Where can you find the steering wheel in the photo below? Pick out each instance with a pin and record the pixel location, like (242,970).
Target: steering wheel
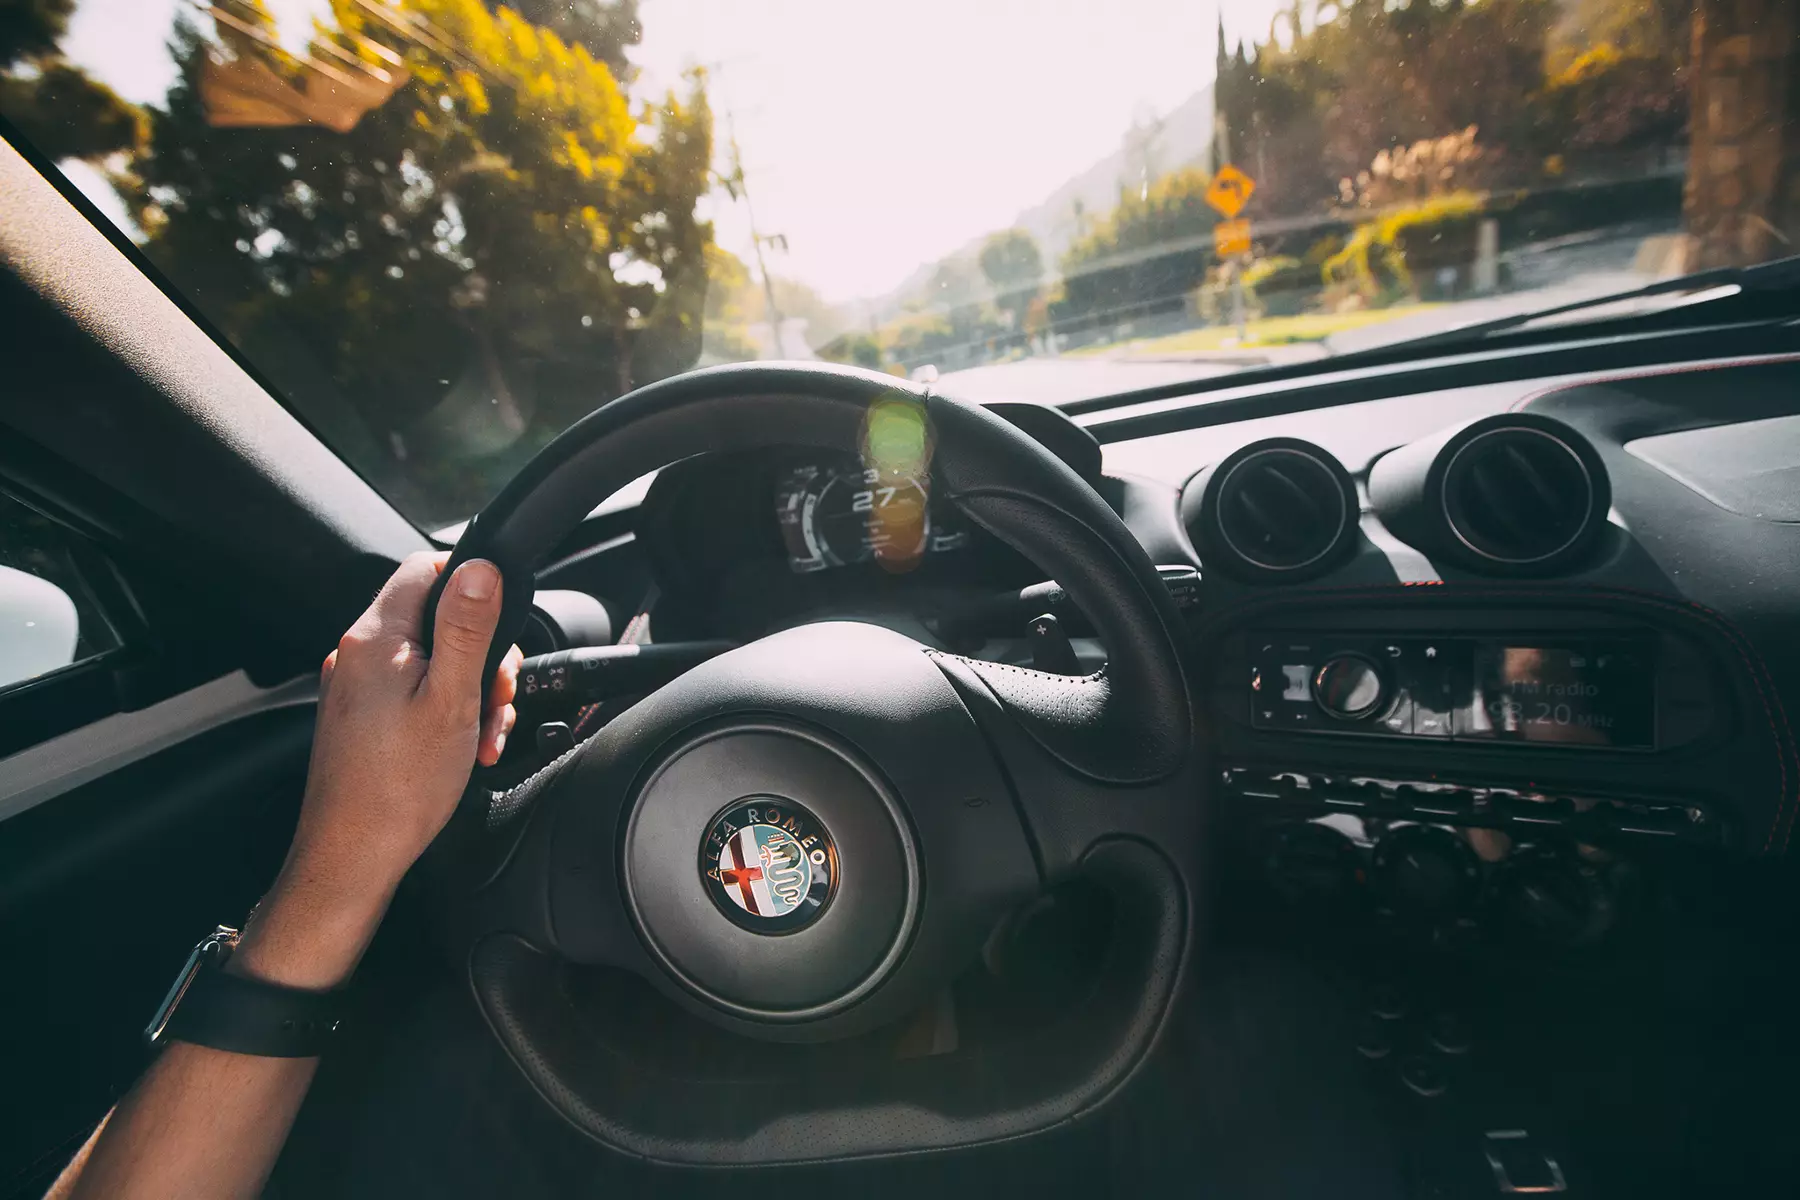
(811,836)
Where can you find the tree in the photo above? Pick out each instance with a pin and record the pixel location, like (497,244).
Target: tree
(1152,249)
(61,112)
(496,250)
(954,284)
(1591,86)
(1741,200)
(1439,111)
(735,301)
(30,28)
(1633,28)
(857,348)
(726,335)
(1386,75)
(1014,268)
(603,29)
(1607,100)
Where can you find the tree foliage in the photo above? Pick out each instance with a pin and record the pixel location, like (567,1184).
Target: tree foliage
(61,112)
(604,29)
(1155,244)
(955,283)
(1011,260)
(507,242)
(31,28)
(1014,268)
(1379,76)
(736,300)
(1535,78)
(1391,105)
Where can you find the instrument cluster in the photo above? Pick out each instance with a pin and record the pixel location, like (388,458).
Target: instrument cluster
(837,512)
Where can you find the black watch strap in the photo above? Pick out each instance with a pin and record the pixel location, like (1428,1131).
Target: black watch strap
(209,1006)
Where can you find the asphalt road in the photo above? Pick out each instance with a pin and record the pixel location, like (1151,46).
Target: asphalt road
(1553,273)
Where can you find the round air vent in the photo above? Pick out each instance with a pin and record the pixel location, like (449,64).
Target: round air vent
(1515,493)
(1517,496)
(1276,509)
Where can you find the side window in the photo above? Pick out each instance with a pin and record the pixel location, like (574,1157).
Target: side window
(48,616)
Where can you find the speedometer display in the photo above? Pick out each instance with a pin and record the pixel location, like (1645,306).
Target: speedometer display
(839,513)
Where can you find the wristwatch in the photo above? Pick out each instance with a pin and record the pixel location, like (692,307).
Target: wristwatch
(208,1007)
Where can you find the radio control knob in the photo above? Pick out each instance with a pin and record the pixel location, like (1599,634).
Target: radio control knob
(1349,687)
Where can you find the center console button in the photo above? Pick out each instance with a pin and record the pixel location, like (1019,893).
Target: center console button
(1349,687)
(1430,721)
(1399,718)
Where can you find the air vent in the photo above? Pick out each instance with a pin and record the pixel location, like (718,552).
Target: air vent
(1276,509)
(1518,496)
(1510,494)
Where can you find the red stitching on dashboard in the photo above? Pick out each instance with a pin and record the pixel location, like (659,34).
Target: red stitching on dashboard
(1724,364)
(1774,712)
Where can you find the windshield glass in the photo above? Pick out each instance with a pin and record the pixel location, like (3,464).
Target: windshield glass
(442,230)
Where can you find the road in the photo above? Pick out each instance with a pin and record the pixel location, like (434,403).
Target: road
(1549,274)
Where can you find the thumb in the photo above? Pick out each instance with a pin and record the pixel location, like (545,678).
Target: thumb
(468,611)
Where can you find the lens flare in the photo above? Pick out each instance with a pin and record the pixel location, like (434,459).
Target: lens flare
(896,455)
(897,438)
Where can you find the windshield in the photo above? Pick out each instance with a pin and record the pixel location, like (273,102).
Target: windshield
(442,230)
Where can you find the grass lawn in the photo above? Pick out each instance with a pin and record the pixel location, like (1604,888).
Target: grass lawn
(1269,331)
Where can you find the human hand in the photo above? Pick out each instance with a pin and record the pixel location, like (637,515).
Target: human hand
(398,734)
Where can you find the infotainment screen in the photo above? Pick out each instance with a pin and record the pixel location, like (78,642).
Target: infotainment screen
(1588,694)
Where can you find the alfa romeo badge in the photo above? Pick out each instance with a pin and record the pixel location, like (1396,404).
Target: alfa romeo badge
(769,865)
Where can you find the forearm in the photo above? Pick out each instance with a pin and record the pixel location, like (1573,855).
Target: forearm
(207,1123)
(200,1122)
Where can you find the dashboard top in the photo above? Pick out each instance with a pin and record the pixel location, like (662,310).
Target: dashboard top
(1359,432)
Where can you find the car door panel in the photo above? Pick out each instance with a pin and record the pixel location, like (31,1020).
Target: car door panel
(103,892)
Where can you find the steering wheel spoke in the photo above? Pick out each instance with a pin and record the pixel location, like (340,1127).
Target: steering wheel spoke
(507,850)
(1037,725)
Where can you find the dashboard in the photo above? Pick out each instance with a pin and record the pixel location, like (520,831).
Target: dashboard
(1558,605)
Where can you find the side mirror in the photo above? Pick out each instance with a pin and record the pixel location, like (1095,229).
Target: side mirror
(38,627)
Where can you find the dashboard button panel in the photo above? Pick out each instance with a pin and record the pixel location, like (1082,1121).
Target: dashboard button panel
(1522,812)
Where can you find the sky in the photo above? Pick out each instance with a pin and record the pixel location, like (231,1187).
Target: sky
(876,135)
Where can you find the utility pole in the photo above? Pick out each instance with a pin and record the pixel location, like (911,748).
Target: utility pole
(735,184)
(1140,151)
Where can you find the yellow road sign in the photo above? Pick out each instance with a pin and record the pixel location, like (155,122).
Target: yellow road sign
(1230,190)
(1231,237)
